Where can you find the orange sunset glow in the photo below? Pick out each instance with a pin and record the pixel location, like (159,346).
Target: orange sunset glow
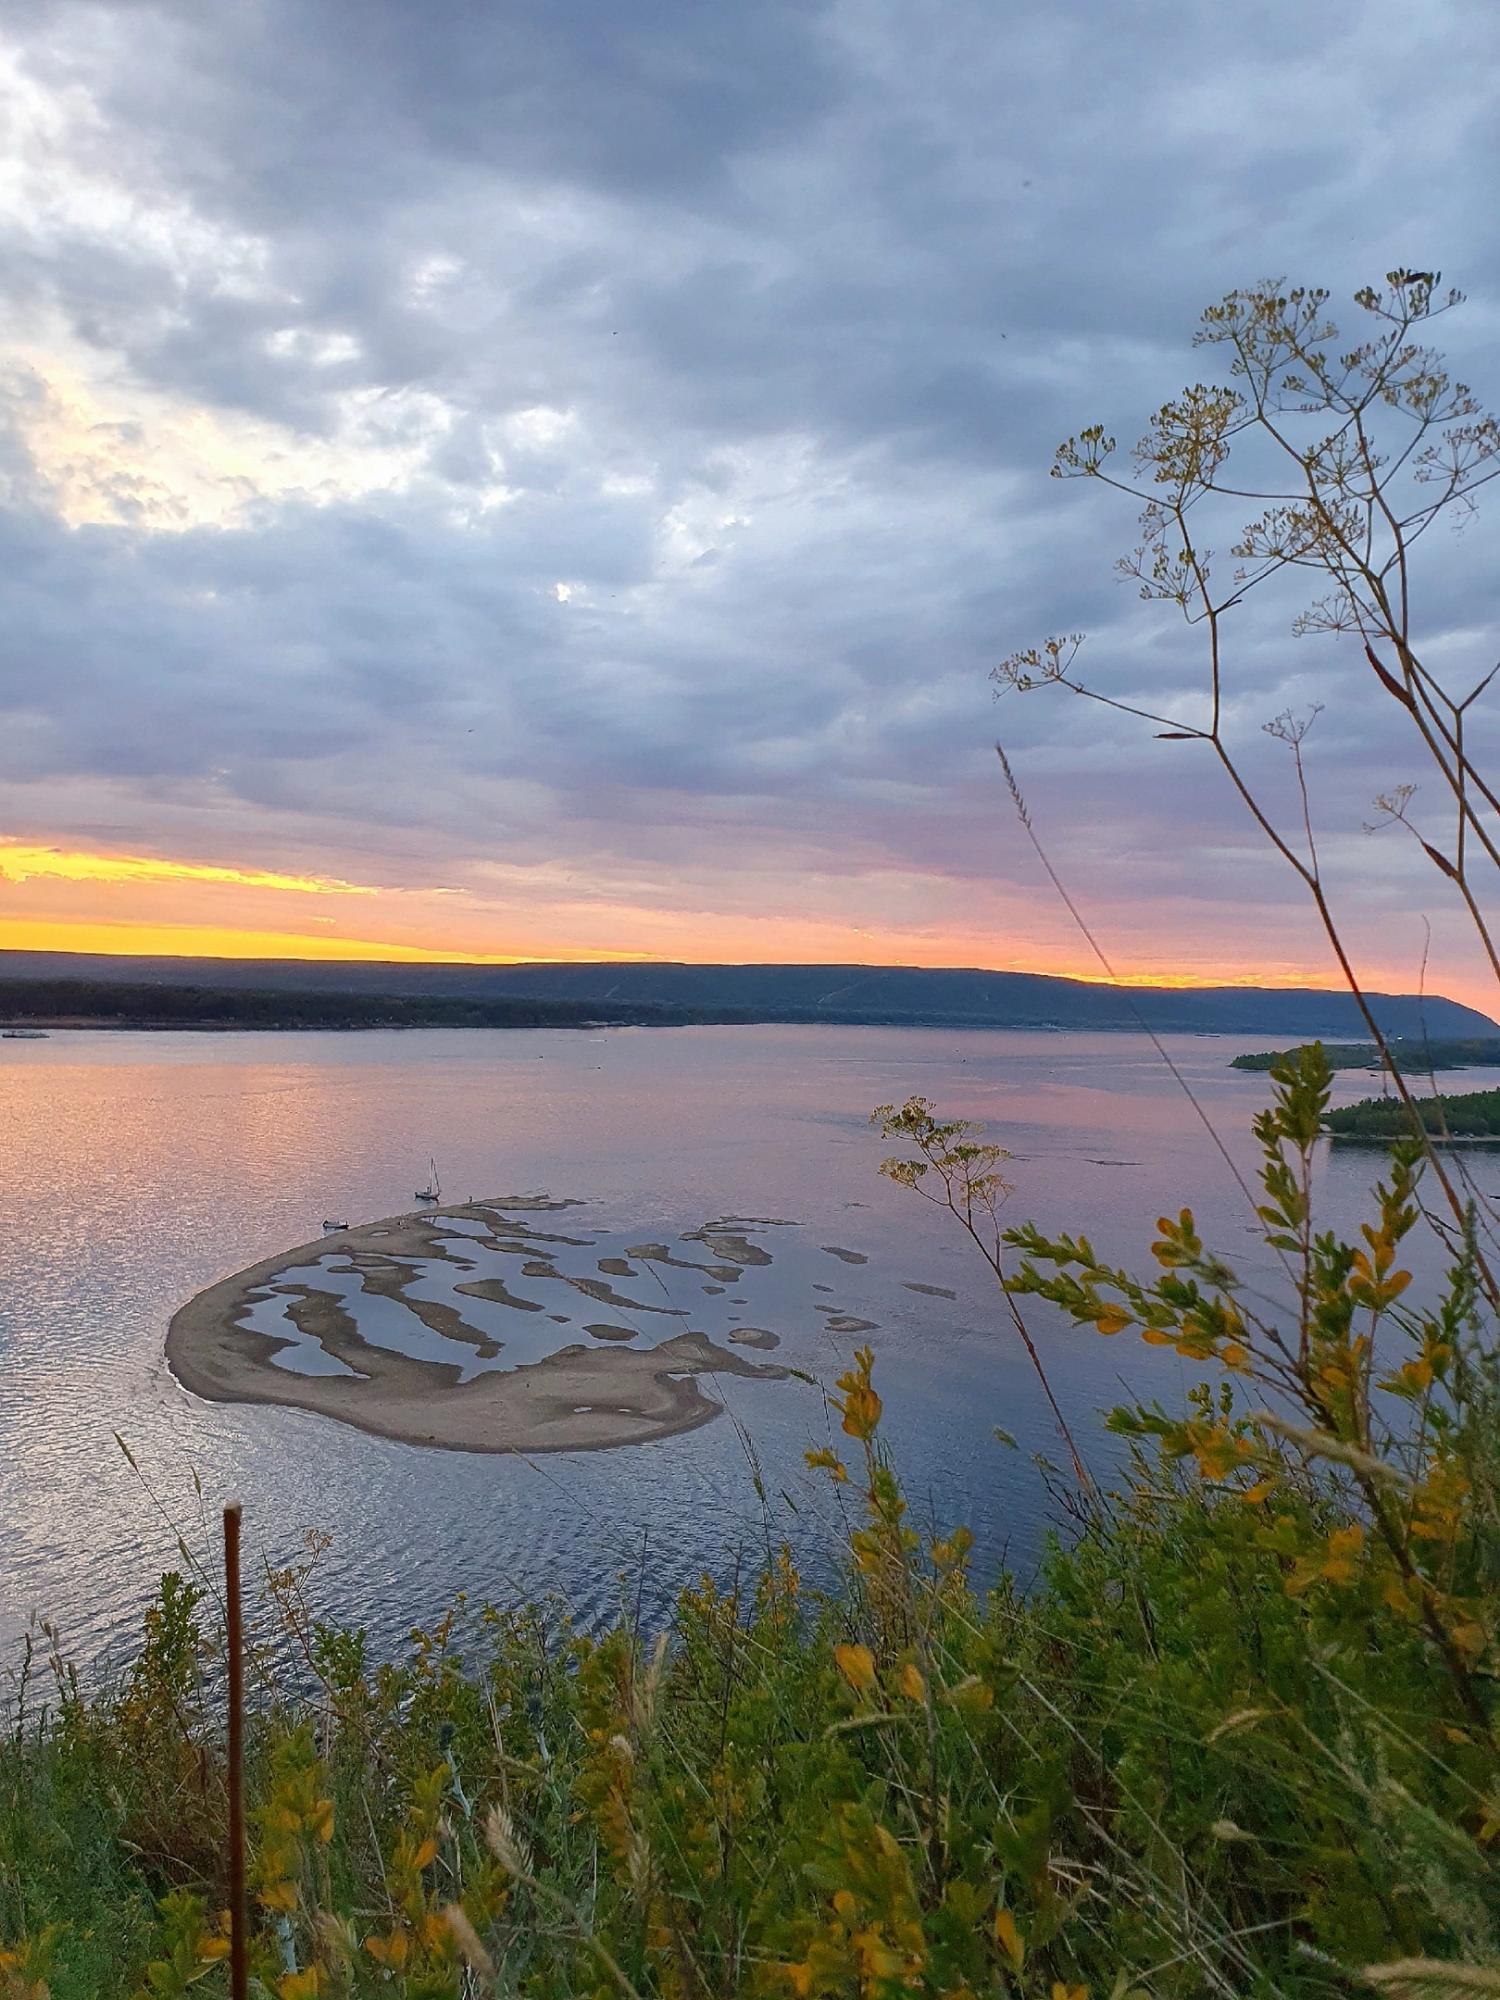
(76,900)
(22,863)
(147,940)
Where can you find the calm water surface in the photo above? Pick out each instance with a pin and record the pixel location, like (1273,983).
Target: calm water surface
(135,1169)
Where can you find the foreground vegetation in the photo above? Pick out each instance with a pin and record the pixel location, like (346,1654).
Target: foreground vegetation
(1413,1058)
(1466,1114)
(1240,1739)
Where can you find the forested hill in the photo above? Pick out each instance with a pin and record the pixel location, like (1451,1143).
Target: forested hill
(899,995)
(102,1003)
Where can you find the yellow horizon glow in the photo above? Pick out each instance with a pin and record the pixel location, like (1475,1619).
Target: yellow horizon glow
(456,929)
(23,862)
(135,940)
(120,904)
(1190,982)
(127,940)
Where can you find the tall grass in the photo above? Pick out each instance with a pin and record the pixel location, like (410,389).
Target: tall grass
(1238,1740)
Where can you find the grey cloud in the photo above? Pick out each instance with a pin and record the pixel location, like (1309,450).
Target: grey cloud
(821,286)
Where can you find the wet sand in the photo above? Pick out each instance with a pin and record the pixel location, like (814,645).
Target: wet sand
(580,1398)
(842,1322)
(755,1336)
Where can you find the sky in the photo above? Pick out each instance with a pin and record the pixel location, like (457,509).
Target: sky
(549,478)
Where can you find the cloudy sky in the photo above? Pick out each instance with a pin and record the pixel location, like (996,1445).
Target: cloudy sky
(552,477)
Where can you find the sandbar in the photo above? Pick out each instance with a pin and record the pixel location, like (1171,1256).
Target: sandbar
(658,1253)
(842,1322)
(499,1293)
(606,1295)
(580,1398)
(728,1244)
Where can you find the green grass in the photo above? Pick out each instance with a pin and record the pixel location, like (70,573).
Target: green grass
(1159,1764)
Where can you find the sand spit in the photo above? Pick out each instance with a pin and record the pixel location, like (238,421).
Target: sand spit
(500,1294)
(580,1397)
(606,1295)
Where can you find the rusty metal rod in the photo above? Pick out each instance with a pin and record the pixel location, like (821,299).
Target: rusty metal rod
(239,1938)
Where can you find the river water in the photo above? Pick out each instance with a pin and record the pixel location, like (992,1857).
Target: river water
(135,1169)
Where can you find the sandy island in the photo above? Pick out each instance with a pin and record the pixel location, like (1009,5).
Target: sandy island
(579,1398)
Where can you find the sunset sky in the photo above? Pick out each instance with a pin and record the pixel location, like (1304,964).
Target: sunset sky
(552,478)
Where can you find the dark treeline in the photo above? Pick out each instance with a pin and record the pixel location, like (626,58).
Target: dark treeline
(59,1002)
(1469,1114)
(1412,1058)
(848,995)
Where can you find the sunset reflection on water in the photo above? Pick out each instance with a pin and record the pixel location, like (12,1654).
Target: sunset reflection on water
(138,1168)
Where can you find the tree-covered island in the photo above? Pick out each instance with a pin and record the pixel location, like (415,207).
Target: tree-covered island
(1412,1058)
(1469,1114)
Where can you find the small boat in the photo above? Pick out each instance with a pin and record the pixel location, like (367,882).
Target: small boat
(434,1189)
(333,1228)
(23,1035)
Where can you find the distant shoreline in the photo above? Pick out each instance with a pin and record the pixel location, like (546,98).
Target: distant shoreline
(96,991)
(1451,1118)
(47,1025)
(113,1024)
(212,1011)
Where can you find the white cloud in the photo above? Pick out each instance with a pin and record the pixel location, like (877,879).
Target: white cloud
(109,450)
(68,175)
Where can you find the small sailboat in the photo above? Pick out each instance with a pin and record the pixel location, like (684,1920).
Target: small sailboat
(434,1188)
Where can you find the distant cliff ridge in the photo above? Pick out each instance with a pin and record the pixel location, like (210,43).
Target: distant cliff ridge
(672,993)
